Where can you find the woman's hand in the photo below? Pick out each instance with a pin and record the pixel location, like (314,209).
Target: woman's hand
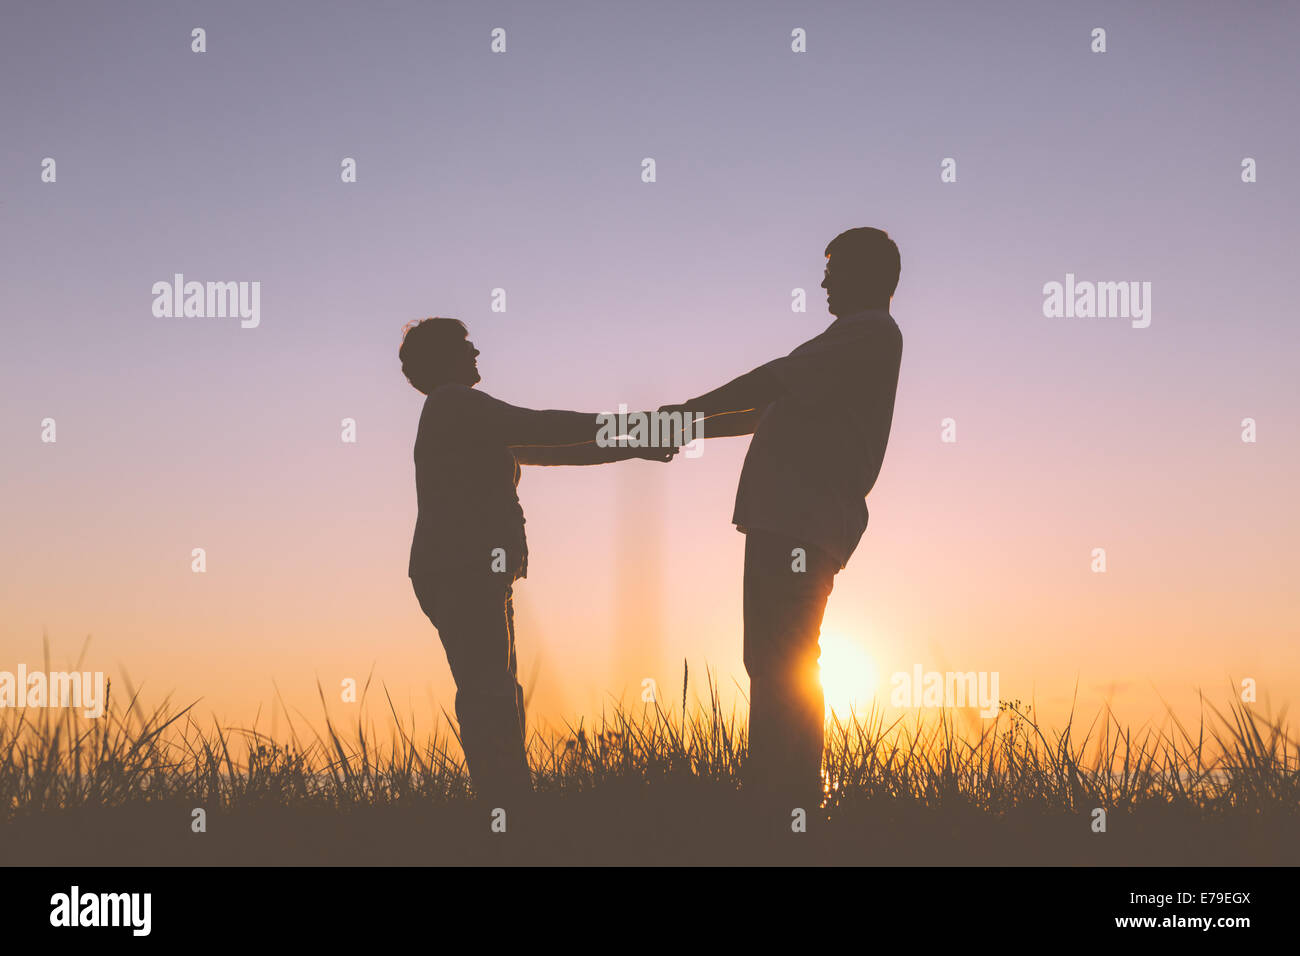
(664,454)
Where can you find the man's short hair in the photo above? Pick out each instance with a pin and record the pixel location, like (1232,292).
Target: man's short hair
(425,344)
(871,256)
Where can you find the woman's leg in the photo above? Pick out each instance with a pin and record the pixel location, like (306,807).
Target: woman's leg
(474,616)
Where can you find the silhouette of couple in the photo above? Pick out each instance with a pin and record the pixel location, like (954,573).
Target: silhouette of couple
(820,419)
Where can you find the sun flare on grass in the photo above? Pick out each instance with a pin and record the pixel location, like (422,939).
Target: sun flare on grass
(848,675)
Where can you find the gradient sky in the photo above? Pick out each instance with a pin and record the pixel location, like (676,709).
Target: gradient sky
(523,171)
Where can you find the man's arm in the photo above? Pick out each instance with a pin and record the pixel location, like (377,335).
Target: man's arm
(734,408)
(730,424)
(750,391)
(816,376)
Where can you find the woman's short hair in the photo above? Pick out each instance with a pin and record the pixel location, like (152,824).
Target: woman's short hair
(426,346)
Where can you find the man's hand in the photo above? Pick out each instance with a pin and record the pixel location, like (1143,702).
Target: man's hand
(687,425)
(683,422)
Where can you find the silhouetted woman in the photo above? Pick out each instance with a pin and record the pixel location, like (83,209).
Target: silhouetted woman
(469,544)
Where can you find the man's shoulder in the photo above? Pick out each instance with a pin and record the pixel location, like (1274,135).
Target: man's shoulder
(879,331)
(873,325)
(893,331)
(849,337)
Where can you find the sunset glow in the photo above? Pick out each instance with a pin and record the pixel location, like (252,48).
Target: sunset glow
(848,675)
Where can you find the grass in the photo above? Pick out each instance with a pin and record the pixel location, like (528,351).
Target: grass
(645,785)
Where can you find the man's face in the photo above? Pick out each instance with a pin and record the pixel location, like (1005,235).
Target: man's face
(833,283)
(846,288)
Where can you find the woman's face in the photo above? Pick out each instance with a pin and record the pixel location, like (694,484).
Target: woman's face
(464,370)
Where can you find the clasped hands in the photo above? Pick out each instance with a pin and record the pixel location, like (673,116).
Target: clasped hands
(672,433)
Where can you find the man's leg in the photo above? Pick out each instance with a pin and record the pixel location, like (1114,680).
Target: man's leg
(475,621)
(783,616)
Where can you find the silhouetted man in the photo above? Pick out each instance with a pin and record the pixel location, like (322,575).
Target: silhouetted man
(469,547)
(820,418)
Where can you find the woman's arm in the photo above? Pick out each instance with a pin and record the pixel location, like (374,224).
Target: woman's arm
(588,453)
(512,425)
(549,437)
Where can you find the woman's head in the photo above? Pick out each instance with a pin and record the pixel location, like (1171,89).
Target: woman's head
(438,351)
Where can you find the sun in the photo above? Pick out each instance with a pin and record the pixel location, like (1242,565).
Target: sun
(848,675)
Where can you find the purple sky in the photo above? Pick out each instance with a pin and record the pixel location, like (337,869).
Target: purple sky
(522,171)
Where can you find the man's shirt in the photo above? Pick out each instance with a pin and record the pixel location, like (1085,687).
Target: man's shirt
(817,449)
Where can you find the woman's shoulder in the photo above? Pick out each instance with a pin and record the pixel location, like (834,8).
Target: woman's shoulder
(460,408)
(452,397)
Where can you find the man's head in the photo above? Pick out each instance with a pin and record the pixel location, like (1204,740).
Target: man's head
(437,352)
(862,267)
